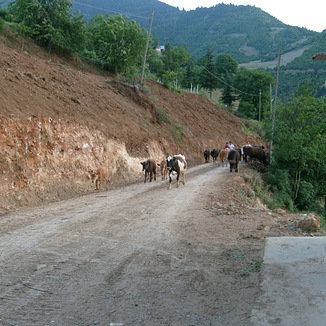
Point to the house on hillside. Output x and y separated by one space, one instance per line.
160 49
319 56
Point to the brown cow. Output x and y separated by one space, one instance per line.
223 156
149 167
99 176
254 153
164 170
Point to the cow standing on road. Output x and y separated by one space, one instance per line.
100 176
206 155
234 158
149 167
223 155
214 155
178 164
164 170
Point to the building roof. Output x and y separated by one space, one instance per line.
319 56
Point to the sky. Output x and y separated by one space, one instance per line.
310 14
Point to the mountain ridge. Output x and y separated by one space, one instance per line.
215 26
252 36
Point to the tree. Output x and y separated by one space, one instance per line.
50 22
191 77
226 66
300 146
249 83
154 61
226 69
175 61
209 79
118 42
174 57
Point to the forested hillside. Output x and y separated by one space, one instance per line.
245 32
253 37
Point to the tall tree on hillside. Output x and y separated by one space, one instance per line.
208 78
253 87
226 66
192 73
175 59
50 23
228 96
226 69
119 43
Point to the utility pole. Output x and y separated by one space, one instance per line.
259 117
275 100
146 49
271 98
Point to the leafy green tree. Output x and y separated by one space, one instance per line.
4 13
50 22
226 66
209 79
253 87
1 24
169 79
154 61
175 61
228 96
175 57
192 73
118 42
299 140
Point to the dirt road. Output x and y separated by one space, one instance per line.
137 255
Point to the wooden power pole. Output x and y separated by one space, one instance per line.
146 49
275 98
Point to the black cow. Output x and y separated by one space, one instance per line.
234 159
178 164
206 155
214 155
255 153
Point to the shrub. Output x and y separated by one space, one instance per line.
306 196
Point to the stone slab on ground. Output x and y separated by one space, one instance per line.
294 283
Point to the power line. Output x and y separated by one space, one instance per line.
126 14
222 81
109 10
160 27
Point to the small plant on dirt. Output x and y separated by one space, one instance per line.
261 189
1 24
254 267
178 133
163 116
237 255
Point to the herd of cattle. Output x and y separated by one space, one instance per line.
177 164
246 153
